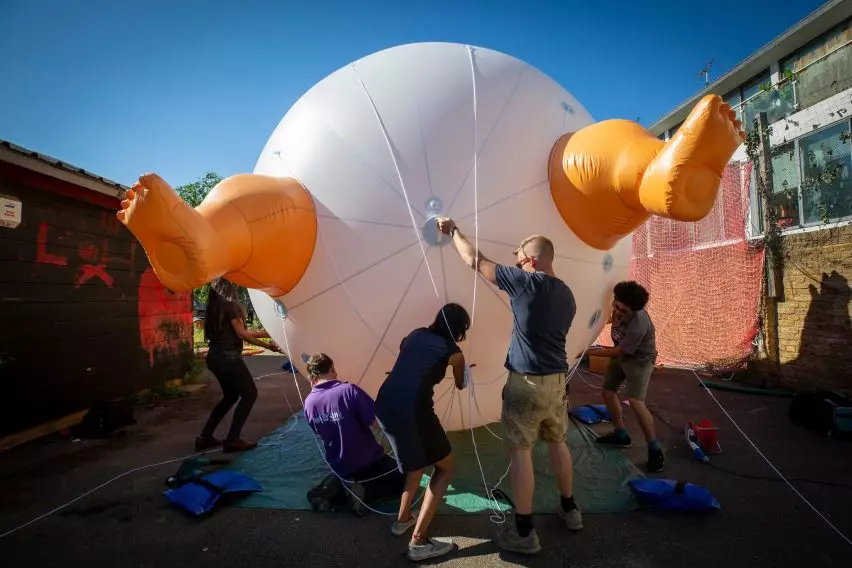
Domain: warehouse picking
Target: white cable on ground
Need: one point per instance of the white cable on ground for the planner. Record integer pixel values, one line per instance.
(769, 463)
(102, 485)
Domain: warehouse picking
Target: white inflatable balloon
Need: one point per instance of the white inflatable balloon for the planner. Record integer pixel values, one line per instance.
(386, 144)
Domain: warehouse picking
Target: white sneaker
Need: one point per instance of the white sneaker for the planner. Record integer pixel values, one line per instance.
(432, 549)
(573, 519)
(399, 529)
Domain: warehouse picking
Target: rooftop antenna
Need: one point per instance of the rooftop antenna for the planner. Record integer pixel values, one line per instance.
(705, 72)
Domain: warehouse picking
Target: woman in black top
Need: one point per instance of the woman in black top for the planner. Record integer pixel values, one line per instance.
(225, 330)
(406, 412)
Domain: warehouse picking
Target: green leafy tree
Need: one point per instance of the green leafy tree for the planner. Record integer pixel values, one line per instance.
(195, 192)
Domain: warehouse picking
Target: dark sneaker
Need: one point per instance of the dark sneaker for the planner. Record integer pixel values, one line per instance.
(508, 539)
(656, 460)
(356, 496)
(615, 440)
(322, 497)
(432, 549)
(319, 499)
(206, 443)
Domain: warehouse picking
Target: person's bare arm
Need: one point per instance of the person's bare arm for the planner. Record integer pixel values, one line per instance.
(262, 334)
(248, 336)
(605, 352)
(468, 253)
(457, 363)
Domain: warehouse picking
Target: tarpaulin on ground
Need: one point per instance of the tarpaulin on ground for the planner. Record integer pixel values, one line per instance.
(288, 463)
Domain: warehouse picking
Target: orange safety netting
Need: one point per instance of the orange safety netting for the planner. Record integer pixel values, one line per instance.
(704, 280)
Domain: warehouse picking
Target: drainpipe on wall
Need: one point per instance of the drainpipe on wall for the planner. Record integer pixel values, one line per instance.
(773, 268)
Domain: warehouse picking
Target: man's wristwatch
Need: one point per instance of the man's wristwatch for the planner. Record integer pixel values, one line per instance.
(453, 231)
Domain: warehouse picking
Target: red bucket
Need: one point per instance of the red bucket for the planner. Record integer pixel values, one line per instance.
(708, 436)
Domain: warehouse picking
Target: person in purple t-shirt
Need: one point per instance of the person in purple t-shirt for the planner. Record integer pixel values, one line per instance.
(342, 415)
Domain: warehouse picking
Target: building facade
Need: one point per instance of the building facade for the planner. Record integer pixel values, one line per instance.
(803, 82)
(83, 318)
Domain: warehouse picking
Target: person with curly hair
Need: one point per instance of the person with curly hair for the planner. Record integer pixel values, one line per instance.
(632, 360)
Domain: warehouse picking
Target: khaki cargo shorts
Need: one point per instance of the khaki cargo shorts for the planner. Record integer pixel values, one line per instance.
(637, 373)
(534, 407)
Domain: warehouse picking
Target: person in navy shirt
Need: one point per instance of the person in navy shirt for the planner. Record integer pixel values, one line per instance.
(342, 415)
(534, 398)
(406, 412)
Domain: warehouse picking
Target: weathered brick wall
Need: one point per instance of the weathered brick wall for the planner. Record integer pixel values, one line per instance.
(815, 334)
(83, 319)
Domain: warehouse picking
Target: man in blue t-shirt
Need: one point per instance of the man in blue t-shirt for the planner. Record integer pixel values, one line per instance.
(534, 404)
(342, 415)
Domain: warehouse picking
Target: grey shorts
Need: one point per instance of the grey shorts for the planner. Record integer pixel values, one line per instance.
(637, 373)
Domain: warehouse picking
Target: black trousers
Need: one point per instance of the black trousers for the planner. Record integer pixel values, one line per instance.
(237, 388)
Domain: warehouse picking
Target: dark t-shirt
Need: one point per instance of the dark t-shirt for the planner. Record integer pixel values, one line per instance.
(635, 334)
(543, 309)
(422, 364)
(225, 337)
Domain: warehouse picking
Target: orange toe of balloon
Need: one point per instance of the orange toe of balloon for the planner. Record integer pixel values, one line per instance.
(683, 180)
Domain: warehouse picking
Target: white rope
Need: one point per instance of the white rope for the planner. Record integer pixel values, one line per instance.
(101, 486)
(769, 462)
(340, 279)
(498, 516)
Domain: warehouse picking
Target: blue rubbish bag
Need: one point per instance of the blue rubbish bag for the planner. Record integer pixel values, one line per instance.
(671, 495)
(201, 494)
(591, 414)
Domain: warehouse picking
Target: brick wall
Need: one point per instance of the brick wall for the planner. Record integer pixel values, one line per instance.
(83, 319)
(814, 330)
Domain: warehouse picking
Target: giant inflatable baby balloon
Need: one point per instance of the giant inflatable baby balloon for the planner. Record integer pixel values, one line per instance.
(335, 231)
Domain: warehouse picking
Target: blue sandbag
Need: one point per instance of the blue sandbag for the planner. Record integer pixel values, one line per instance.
(671, 495)
(199, 496)
(591, 414)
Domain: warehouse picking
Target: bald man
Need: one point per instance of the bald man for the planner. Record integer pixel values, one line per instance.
(534, 405)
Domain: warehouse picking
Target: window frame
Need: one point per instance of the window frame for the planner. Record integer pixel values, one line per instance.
(756, 205)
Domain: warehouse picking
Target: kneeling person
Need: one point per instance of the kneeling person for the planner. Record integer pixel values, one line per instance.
(342, 415)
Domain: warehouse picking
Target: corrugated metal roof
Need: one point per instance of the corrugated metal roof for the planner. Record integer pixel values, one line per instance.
(59, 164)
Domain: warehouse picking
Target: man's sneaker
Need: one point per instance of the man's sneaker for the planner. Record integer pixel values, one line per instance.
(573, 518)
(508, 539)
(432, 549)
(399, 529)
(656, 460)
(615, 440)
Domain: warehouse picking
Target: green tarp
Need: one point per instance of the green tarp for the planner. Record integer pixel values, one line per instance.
(287, 464)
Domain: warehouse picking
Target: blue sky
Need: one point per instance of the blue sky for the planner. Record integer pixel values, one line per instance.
(185, 87)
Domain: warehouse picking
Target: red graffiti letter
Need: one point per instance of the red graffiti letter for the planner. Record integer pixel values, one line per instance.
(91, 255)
(42, 255)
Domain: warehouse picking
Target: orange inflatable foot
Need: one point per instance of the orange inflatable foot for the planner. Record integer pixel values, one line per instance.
(608, 178)
(257, 231)
(683, 180)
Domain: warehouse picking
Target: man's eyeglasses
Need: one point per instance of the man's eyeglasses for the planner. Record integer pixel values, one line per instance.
(618, 309)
